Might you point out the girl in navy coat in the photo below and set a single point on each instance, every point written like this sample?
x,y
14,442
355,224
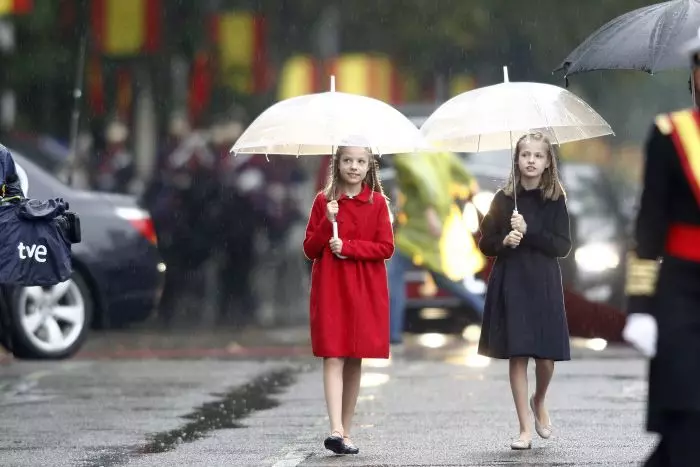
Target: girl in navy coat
x,y
524,315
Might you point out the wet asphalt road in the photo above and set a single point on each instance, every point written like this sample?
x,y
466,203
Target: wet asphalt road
x,y
424,407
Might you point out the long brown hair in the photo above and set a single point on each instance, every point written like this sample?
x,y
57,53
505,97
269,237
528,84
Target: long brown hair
x,y
371,179
549,183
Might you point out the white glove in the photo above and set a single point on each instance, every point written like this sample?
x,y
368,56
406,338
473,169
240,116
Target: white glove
x,y
641,331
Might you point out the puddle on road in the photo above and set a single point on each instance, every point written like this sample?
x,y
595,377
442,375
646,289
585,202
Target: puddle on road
x,y
225,411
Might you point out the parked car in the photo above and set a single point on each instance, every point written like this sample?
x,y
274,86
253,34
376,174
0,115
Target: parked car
x,y
600,234
118,273
598,223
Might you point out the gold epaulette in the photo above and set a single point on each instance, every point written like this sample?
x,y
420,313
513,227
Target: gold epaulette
x,y
641,275
663,123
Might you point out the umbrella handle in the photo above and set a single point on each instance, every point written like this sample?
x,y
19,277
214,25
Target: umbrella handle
x,y
515,211
335,235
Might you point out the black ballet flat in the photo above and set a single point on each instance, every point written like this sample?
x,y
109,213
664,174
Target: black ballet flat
x,y
335,443
349,448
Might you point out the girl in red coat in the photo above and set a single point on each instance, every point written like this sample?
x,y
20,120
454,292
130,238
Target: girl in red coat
x,y
349,302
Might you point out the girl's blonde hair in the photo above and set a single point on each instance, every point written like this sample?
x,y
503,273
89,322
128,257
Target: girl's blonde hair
x,y
371,179
549,183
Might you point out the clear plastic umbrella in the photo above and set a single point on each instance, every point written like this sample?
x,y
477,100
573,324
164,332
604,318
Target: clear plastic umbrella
x,y
495,117
316,124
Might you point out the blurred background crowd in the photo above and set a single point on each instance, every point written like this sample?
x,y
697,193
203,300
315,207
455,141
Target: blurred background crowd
x,y
169,85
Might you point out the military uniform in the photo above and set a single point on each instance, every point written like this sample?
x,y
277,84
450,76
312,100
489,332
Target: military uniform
x,y
663,280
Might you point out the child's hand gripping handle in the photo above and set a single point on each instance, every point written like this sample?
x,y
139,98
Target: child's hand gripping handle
x,y
515,211
335,235
332,212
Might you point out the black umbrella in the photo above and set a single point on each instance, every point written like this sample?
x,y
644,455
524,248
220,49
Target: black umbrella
x,y
647,39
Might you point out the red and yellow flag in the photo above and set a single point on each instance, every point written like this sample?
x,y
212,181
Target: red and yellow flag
x,y
15,7
241,38
298,76
124,93
357,73
126,27
95,86
200,86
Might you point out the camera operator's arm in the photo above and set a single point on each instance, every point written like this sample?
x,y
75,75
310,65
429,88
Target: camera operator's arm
x,y
11,187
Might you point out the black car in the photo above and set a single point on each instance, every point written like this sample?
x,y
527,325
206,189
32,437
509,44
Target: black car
x,y
601,232
118,273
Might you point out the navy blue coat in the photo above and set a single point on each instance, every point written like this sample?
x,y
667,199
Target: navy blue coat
x,y
524,313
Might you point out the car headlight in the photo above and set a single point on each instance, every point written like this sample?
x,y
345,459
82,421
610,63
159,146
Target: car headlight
x,y
597,257
482,201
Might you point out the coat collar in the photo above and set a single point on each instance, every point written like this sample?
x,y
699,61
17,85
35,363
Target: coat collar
x,y
364,195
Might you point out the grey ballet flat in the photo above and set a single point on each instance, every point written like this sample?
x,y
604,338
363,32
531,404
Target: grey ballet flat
x,y
545,431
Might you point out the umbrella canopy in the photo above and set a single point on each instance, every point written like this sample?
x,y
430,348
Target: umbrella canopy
x,y
648,39
316,124
495,117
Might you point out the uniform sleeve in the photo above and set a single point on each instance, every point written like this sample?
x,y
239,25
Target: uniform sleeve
x,y
492,230
378,249
319,230
554,240
652,219
652,222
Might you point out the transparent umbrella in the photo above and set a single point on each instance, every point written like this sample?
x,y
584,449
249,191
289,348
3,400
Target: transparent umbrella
x,y
495,117
316,124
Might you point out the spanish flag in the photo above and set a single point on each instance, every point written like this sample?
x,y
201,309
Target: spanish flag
x,y
298,77
126,27
240,37
200,85
95,86
15,7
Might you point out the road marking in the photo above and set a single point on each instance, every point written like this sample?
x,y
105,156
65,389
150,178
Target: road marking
x,y
292,459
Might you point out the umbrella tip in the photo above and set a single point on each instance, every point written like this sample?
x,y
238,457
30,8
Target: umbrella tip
x,y
505,74
332,83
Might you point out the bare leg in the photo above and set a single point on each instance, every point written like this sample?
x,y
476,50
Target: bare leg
x,y
518,385
333,388
543,374
352,373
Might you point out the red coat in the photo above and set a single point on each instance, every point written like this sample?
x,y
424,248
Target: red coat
x,y
350,297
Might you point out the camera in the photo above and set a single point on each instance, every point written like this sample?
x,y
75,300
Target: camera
x,y
69,222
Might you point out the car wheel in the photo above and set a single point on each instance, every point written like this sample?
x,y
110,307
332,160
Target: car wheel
x,y
51,322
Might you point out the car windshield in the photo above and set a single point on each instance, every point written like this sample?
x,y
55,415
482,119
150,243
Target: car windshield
x,y
36,177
